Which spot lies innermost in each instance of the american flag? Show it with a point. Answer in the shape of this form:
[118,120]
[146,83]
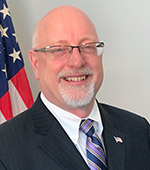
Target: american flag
[15,93]
[118,139]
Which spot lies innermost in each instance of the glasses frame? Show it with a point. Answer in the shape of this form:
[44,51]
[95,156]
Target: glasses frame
[45,49]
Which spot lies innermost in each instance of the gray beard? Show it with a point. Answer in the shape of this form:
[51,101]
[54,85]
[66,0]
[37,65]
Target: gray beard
[77,96]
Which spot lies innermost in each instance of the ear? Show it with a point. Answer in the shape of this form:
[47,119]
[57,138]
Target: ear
[34,62]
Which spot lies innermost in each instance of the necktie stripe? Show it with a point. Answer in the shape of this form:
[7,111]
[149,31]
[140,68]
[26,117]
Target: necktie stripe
[95,155]
[98,163]
[97,141]
[86,126]
[94,147]
[99,155]
[93,165]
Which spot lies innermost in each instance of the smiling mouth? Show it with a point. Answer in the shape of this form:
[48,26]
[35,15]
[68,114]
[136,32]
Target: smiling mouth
[76,79]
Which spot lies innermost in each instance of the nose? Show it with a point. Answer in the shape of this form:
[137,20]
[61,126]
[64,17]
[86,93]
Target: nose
[76,59]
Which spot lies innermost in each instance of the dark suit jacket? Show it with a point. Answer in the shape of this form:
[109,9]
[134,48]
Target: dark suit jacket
[35,140]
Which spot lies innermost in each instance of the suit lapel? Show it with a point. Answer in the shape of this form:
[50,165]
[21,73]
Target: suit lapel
[114,148]
[56,142]
[59,146]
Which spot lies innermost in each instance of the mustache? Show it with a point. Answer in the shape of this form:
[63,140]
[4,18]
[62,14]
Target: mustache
[84,71]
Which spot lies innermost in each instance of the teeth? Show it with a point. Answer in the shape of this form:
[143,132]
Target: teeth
[75,78]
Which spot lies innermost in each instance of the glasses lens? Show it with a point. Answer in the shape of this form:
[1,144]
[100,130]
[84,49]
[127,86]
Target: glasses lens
[92,48]
[59,51]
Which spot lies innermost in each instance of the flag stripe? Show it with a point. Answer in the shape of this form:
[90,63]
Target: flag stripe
[22,86]
[16,101]
[5,105]
[2,119]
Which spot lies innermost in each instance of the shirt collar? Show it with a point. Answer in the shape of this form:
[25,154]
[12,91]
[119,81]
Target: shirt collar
[71,122]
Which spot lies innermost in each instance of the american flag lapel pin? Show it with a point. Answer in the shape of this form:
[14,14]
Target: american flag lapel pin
[118,139]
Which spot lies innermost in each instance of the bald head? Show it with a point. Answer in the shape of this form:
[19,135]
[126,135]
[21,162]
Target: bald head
[63,23]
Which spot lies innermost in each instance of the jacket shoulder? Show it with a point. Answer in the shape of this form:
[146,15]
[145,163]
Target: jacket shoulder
[119,111]
[16,126]
[123,117]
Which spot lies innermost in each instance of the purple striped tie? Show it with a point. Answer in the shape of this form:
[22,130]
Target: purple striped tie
[94,148]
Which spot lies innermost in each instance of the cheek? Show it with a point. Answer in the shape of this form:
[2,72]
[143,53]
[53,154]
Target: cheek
[51,70]
[48,78]
[43,71]
[97,67]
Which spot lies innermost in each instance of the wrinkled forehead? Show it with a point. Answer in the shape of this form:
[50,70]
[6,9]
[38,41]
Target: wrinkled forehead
[64,24]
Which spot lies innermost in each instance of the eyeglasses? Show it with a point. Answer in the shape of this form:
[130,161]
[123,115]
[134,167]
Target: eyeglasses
[91,48]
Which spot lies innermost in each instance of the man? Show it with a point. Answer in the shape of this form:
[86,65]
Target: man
[51,134]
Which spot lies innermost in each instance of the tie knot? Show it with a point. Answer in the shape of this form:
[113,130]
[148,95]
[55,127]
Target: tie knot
[86,127]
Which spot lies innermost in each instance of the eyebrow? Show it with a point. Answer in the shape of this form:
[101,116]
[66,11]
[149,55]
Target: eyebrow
[87,39]
[62,42]
[82,40]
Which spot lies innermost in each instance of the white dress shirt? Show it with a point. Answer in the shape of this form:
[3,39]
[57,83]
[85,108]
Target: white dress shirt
[71,124]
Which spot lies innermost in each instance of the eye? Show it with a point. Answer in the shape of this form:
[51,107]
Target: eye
[89,47]
[56,49]
[59,51]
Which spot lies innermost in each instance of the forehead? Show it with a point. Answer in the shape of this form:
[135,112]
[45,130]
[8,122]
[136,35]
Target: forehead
[70,25]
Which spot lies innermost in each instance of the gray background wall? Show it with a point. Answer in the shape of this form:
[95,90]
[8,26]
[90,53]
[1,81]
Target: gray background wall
[124,26]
